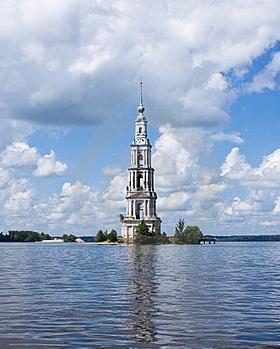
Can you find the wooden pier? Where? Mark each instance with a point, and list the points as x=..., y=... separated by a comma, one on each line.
x=208, y=238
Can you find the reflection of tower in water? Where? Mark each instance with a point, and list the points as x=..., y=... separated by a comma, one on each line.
x=140, y=324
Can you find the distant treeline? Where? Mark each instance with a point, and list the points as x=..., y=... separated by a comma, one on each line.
x=23, y=236
x=31, y=236
x=240, y=238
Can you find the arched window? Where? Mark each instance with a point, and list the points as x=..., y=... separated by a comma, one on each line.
x=139, y=211
x=140, y=160
x=139, y=182
x=140, y=129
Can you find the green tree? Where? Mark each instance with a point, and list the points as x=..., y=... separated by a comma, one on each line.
x=157, y=232
x=142, y=229
x=69, y=238
x=101, y=236
x=44, y=236
x=113, y=236
x=144, y=236
x=190, y=234
x=180, y=228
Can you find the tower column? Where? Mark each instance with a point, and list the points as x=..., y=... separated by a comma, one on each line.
x=134, y=180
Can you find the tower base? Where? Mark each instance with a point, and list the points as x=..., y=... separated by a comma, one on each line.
x=129, y=226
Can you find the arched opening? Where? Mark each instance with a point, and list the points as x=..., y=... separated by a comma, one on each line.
x=140, y=160
x=140, y=181
x=140, y=211
x=140, y=129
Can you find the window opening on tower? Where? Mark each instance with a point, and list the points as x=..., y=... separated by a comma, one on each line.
x=140, y=160
x=139, y=181
x=140, y=211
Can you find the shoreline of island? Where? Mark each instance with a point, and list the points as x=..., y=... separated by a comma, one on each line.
x=42, y=238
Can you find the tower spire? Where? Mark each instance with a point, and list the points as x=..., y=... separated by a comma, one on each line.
x=141, y=107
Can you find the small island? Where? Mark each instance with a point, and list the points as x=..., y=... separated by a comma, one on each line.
x=184, y=234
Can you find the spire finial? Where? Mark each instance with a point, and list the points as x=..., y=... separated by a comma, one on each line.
x=141, y=107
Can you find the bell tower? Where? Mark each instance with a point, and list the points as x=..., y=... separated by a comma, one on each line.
x=140, y=196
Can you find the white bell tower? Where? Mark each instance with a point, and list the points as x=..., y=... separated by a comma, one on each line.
x=141, y=196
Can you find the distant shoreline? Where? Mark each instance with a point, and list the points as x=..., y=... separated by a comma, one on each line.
x=247, y=238
x=231, y=238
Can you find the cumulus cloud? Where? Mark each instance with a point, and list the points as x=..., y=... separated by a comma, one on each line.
x=112, y=170
x=13, y=130
x=174, y=202
x=67, y=206
x=19, y=154
x=184, y=184
x=78, y=62
x=20, y=197
x=236, y=166
x=266, y=175
x=4, y=177
x=265, y=79
x=259, y=185
x=276, y=209
x=48, y=165
x=233, y=137
x=176, y=156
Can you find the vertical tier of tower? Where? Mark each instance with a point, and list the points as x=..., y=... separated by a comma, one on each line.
x=141, y=196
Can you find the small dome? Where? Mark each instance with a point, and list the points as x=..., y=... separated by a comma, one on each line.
x=141, y=108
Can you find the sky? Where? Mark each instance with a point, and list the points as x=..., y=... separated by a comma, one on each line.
x=70, y=73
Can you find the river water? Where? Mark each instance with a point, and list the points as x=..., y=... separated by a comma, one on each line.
x=96, y=296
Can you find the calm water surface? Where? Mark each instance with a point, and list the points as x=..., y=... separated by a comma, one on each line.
x=87, y=296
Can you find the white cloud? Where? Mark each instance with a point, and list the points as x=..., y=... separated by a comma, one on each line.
x=276, y=209
x=70, y=207
x=217, y=82
x=92, y=57
x=176, y=156
x=48, y=165
x=266, y=78
x=13, y=130
x=233, y=137
x=112, y=170
x=173, y=202
x=101, y=49
x=235, y=166
x=20, y=197
x=19, y=154
x=79, y=62
x=4, y=177
x=266, y=175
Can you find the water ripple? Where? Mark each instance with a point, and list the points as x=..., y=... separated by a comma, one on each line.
x=72, y=296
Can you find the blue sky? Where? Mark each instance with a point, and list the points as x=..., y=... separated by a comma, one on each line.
x=70, y=73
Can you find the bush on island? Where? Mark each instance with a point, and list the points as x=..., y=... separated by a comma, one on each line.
x=144, y=236
x=187, y=234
